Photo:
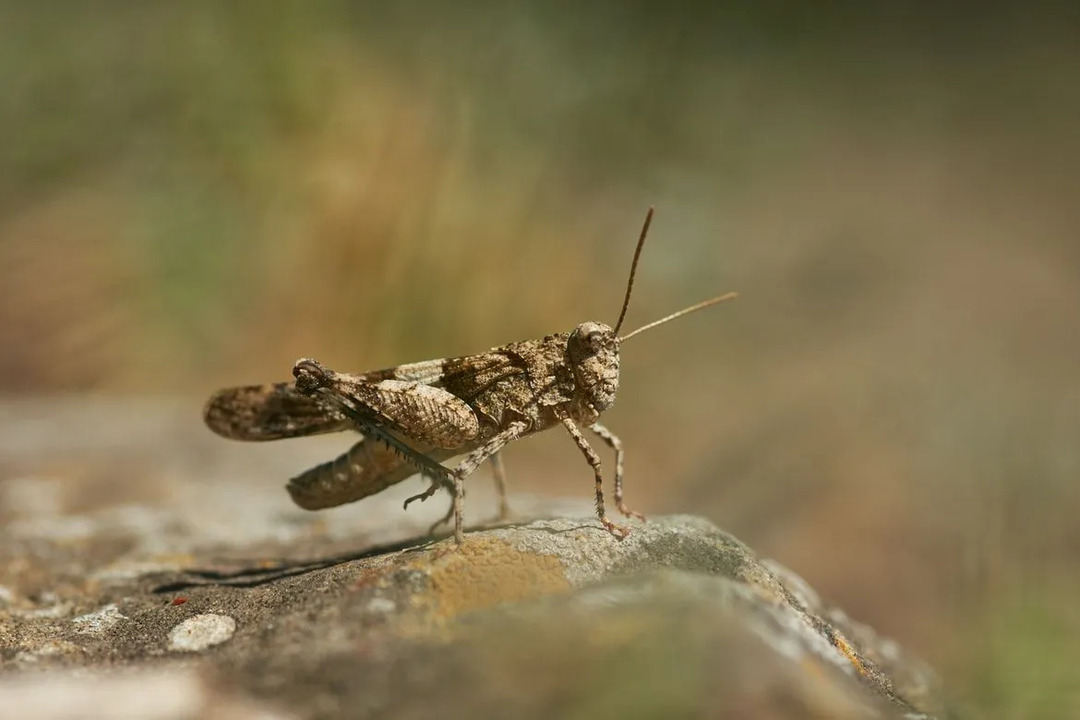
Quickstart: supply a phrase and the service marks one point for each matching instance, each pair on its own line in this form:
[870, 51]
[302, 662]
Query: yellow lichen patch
[841, 644]
[485, 572]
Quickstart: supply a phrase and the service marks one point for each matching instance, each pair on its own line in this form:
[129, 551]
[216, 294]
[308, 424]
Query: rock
[170, 577]
[146, 695]
[522, 621]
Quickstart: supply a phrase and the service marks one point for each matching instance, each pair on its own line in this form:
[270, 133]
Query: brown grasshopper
[414, 417]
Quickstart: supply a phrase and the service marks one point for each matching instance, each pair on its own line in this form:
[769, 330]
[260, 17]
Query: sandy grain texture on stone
[680, 615]
[181, 563]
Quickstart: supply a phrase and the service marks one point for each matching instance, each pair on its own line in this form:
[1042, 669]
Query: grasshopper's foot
[619, 531]
[627, 512]
[436, 483]
[422, 496]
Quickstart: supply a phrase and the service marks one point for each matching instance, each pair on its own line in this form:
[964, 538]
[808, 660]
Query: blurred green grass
[196, 195]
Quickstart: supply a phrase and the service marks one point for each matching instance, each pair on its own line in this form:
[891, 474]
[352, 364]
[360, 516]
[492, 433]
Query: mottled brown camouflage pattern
[416, 416]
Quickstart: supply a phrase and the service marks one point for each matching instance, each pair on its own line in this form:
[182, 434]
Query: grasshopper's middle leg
[498, 471]
[471, 462]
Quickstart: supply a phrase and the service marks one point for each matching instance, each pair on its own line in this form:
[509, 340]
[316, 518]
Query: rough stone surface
[548, 605]
[283, 614]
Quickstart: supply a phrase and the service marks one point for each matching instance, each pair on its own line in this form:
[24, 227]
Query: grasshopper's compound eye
[594, 340]
[588, 339]
[310, 375]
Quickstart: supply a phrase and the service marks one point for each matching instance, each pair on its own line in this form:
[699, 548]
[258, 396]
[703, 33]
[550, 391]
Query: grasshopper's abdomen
[366, 468]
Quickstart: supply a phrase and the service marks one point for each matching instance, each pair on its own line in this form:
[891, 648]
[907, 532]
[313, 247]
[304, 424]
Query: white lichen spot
[200, 632]
[381, 606]
[99, 621]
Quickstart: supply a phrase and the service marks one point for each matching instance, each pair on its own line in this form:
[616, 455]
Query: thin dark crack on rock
[258, 573]
[261, 572]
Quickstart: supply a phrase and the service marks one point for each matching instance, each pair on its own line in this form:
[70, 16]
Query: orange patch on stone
[849, 652]
[485, 572]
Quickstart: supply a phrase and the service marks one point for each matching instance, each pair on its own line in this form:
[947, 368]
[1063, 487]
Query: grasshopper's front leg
[615, 444]
[593, 459]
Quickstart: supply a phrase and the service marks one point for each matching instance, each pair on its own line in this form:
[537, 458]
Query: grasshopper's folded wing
[409, 408]
[440, 402]
[270, 412]
[467, 377]
[279, 410]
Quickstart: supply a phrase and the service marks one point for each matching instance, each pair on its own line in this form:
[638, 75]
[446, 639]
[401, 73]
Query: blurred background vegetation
[194, 195]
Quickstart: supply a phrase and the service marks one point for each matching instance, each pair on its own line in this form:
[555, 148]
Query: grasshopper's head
[592, 349]
[593, 352]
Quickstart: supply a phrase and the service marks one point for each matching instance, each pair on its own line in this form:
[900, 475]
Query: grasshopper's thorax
[592, 351]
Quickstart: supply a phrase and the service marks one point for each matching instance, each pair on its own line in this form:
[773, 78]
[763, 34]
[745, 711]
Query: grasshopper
[414, 417]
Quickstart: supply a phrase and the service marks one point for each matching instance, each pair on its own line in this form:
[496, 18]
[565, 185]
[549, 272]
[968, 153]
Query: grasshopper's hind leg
[436, 483]
[449, 513]
[498, 471]
[454, 481]
[473, 461]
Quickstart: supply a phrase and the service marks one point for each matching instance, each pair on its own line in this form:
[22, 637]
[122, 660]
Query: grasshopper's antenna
[633, 268]
[685, 311]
